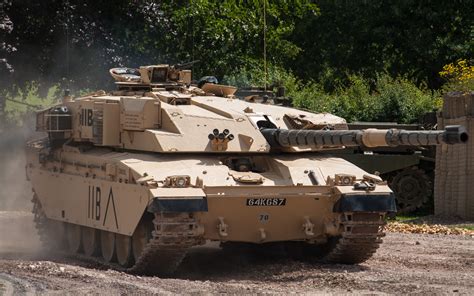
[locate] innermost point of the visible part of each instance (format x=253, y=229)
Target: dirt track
x=406, y=263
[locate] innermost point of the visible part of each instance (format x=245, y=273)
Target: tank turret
x=453, y=134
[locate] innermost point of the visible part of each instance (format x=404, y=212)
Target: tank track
x=43, y=225
x=362, y=235
x=168, y=246
x=161, y=256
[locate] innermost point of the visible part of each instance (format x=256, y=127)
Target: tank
x=135, y=177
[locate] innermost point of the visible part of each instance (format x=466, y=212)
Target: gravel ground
x=405, y=264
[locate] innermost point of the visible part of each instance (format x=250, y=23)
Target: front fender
x=367, y=202
x=178, y=200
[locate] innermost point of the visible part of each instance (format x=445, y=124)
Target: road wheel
x=107, y=245
x=140, y=238
x=73, y=235
x=412, y=188
x=90, y=241
x=123, y=245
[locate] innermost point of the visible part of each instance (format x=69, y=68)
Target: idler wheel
x=107, y=245
x=90, y=241
x=140, y=239
x=123, y=245
x=73, y=235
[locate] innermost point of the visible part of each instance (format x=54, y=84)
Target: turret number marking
x=266, y=202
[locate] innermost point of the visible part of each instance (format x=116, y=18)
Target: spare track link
x=363, y=232
x=161, y=256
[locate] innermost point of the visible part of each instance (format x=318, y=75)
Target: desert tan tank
x=137, y=176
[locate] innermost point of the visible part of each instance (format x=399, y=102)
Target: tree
x=414, y=38
x=6, y=26
x=78, y=41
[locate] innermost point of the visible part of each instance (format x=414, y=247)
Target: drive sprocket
x=50, y=232
x=362, y=234
x=412, y=188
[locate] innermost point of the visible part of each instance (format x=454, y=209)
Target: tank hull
x=118, y=206
x=75, y=188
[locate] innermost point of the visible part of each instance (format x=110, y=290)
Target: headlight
x=344, y=179
x=178, y=181
x=181, y=182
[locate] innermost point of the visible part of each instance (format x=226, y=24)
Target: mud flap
x=178, y=200
x=172, y=205
x=366, y=203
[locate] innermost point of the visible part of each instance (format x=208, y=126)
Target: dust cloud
x=17, y=232
x=15, y=190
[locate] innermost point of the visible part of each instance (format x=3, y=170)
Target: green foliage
x=227, y=34
x=402, y=101
x=254, y=76
x=384, y=99
x=408, y=38
x=355, y=102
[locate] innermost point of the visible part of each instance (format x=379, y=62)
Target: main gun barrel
x=452, y=134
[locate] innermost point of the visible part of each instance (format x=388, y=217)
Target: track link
x=363, y=232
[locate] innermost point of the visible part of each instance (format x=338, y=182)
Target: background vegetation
x=363, y=60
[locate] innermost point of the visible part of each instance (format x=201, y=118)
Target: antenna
x=265, y=43
x=67, y=45
x=192, y=35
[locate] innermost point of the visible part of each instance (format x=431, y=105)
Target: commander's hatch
x=154, y=78
x=160, y=76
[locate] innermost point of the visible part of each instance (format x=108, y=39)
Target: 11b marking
x=93, y=205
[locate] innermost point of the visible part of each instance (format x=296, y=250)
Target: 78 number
x=263, y=218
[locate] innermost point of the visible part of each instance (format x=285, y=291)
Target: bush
x=385, y=99
x=355, y=101
x=402, y=101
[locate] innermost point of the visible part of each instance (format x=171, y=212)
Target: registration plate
x=264, y=201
